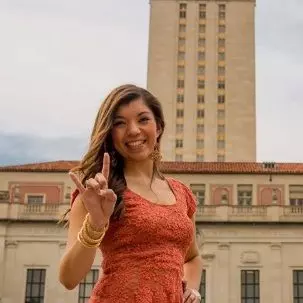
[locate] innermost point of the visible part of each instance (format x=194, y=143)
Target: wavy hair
x=101, y=140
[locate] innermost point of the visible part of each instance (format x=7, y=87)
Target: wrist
x=89, y=236
x=96, y=226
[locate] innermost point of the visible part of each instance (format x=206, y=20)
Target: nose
x=133, y=129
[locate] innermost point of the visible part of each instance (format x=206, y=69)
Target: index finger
x=106, y=164
x=77, y=182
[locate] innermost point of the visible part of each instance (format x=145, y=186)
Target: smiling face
x=135, y=131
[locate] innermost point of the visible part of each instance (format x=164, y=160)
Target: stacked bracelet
x=88, y=236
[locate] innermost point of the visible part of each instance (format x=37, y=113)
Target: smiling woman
x=142, y=222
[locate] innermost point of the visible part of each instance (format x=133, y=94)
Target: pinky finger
x=77, y=182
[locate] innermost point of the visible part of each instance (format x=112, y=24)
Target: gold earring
x=156, y=155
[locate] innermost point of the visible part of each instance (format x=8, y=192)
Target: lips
x=136, y=144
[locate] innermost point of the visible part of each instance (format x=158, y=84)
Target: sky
x=58, y=59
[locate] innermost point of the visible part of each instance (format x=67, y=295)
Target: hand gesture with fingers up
x=98, y=199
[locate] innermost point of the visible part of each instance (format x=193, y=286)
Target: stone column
x=221, y=277
x=275, y=275
x=2, y=251
x=9, y=295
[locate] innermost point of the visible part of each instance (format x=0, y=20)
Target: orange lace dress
x=144, y=251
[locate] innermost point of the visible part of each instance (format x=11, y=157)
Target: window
x=221, y=15
x=201, y=70
x=224, y=196
x=221, y=42
x=221, y=70
x=200, y=99
x=180, y=98
x=202, y=287
x=4, y=195
x=222, y=7
x=182, y=13
x=182, y=28
x=180, y=113
x=221, y=84
x=181, y=69
x=200, y=113
x=298, y=286
x=220, y=158
x=87, y=285
x=35, y=199
x=201, y=56
x=221, y=56
x=200, y=143
x=35, y=285
x=180, y=83
x=221, y=129
x=202, y=28
x=221, y=144
x=181, y=41
x=201, y=84
x=221, y=99
x=201, y=42
x=179, y=143
x=222, y=28
x=274, y=195
x=179, y=157
x=199, y=191
x=202, y=14
x=199, y=158
x=221, y=114
x=200, y=128
x=202, y=6
x=296, y=195
x=181, y=55
x=250, y=286
x=245, y=195
x=179, y=128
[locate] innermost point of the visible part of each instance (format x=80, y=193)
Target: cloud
x=60, y=58
x=21, y=148
x=279, y=78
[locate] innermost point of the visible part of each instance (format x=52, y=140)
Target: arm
x=77, y=260
x=193, y=263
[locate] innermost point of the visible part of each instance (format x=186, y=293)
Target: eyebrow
x=140, y=114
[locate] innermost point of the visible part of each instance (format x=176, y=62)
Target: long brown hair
x=101, y=140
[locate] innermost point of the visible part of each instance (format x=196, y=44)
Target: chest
x=160, y=193
x=150, y=225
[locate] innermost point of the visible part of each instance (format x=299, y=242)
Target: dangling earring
x=156, y=155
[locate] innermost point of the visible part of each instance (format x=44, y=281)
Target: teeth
x=135, y=143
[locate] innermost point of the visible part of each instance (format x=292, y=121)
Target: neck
x=143, y=170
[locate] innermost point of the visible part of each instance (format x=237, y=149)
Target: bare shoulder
x=178, y=184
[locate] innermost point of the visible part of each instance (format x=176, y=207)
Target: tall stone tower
x=201, y=66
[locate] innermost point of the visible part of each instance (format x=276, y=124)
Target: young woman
x=143, y=222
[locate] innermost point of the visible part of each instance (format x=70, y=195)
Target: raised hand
x=97, y=198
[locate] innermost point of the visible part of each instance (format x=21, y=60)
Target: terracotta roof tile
x=175, y=167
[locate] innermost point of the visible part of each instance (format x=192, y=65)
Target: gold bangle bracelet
x=88, y=238
x=84, y=243
x=95, y=234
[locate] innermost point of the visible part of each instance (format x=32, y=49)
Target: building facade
x=249, y=231
x=201, y=66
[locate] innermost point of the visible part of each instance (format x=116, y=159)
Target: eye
x=144, y=119
x=118, y=123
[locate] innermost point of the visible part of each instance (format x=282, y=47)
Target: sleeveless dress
x=144, y=251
